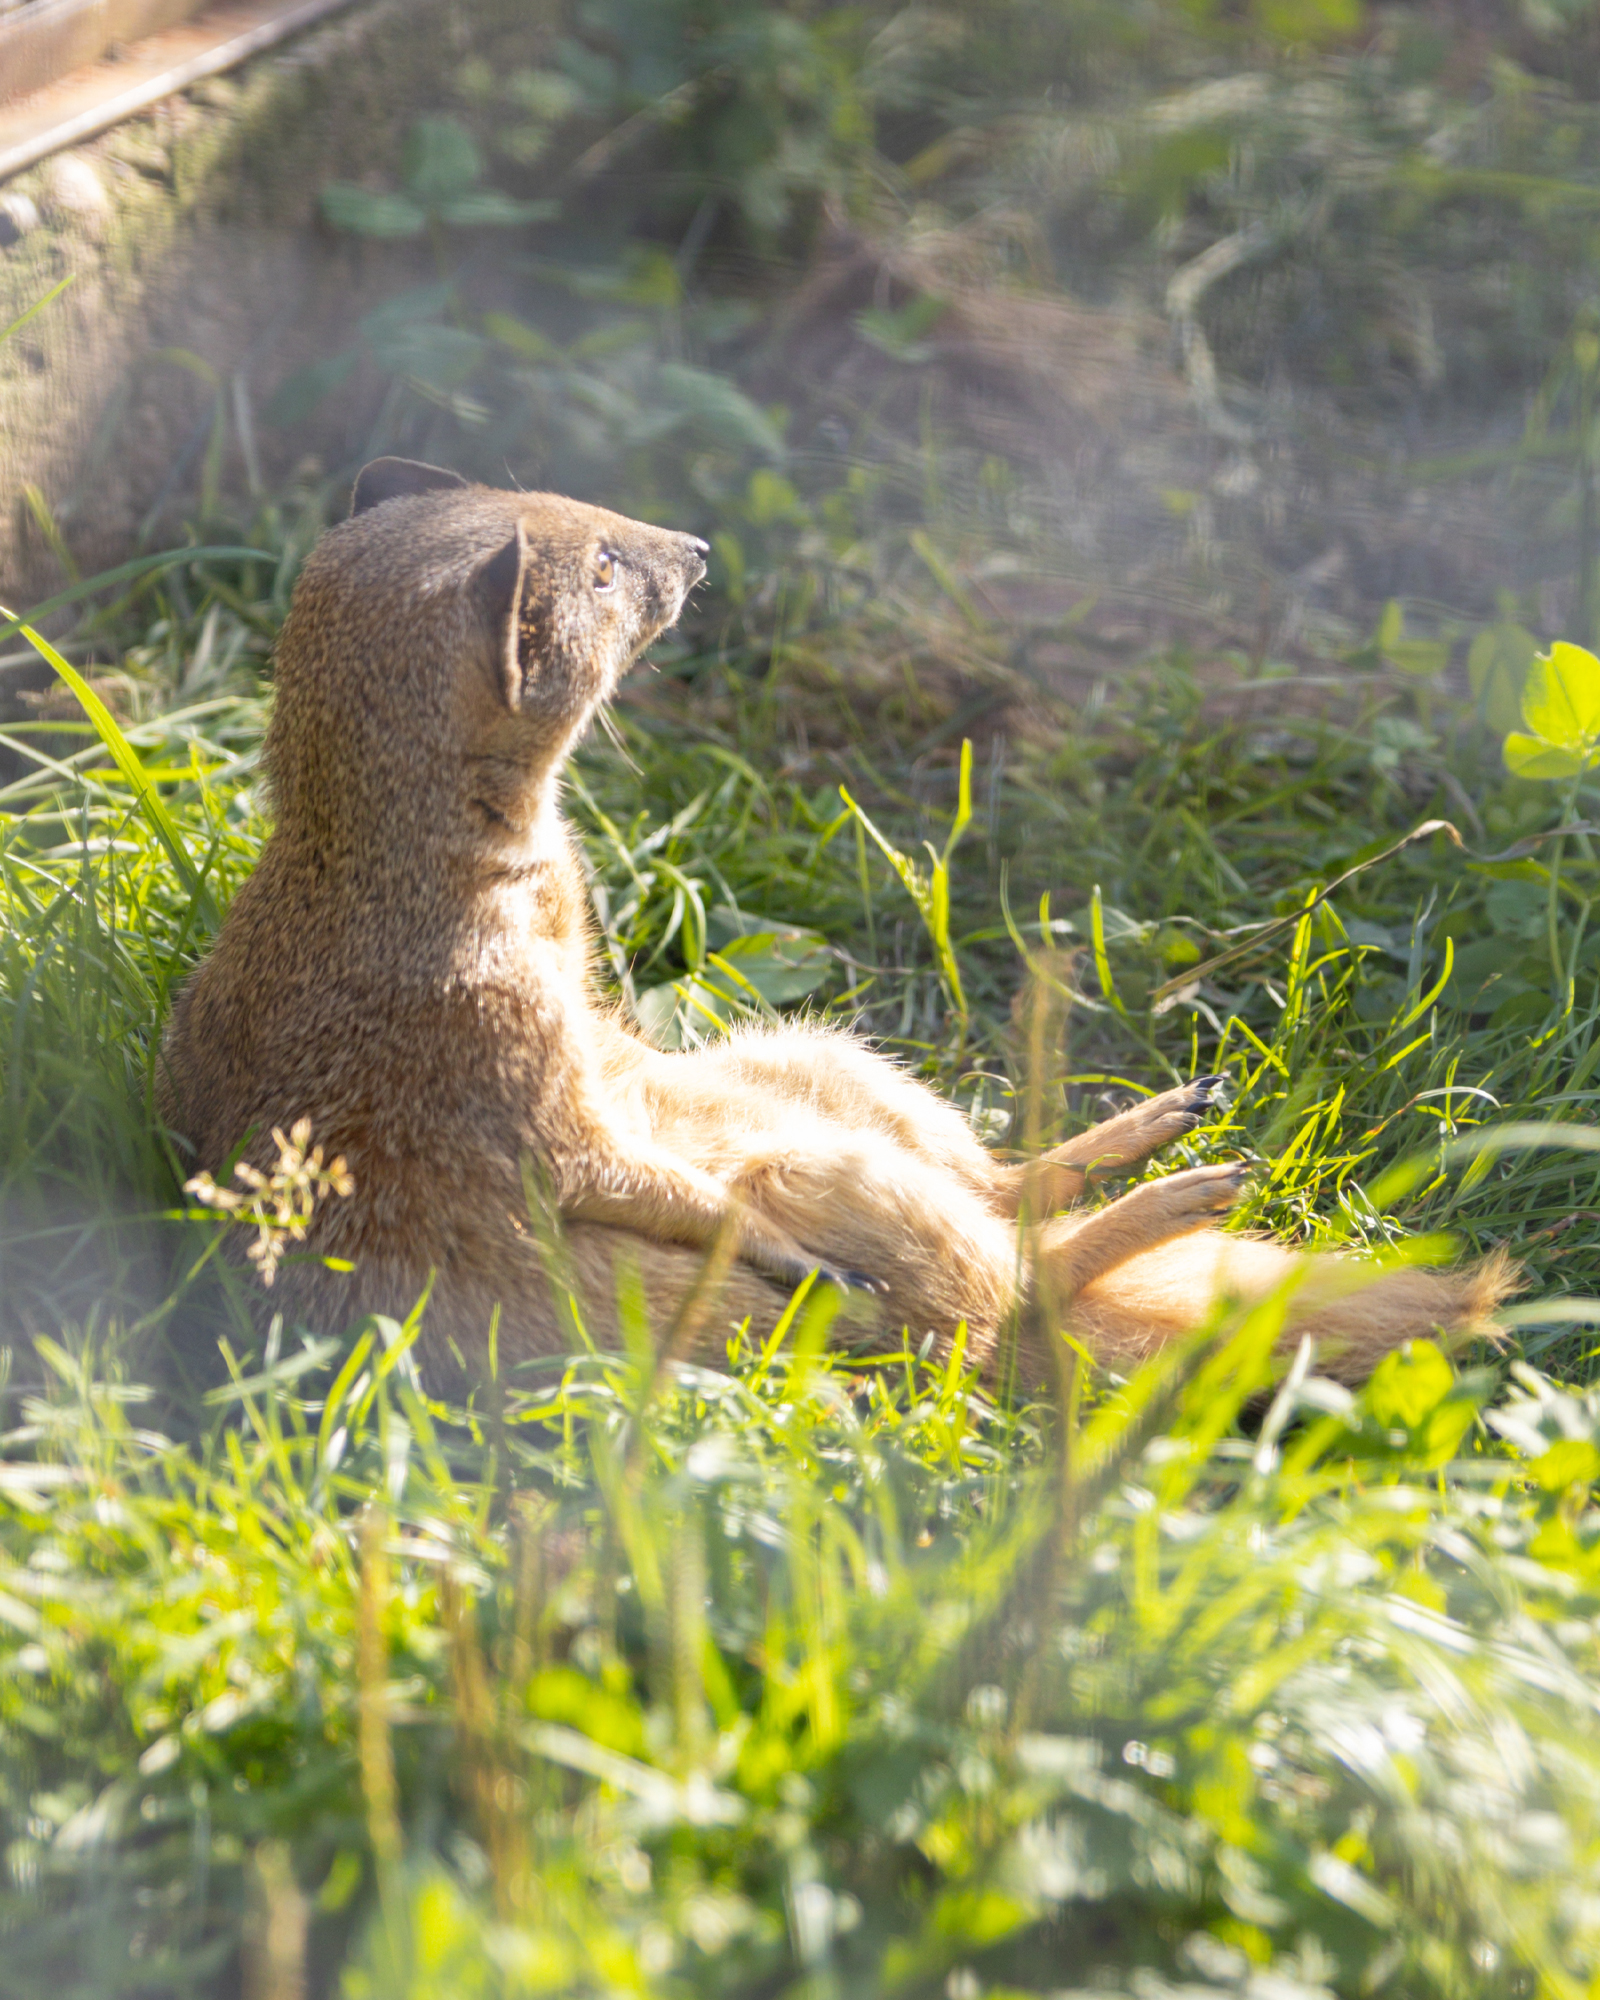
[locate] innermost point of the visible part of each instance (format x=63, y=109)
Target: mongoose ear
x=398, y=478
x=500, y=581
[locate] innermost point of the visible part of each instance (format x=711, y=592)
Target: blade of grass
x=128, y=762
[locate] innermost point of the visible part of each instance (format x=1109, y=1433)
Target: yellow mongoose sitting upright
x=409, y=966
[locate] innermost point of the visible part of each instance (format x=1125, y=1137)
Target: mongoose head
x=447, y=645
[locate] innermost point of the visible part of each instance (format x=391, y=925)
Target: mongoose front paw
x=852, y=1281
x=792, y=1268
x=847, y=1281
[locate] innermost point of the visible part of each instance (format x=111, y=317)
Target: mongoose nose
x=700, y=548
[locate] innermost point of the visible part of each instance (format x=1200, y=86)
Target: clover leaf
x=440, y=172
x=1422, y=658
x=1497, y=670
x=1561, y=710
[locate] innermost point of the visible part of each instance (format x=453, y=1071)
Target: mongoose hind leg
x=592, y=1285
x=933, y=1246
x=1073, y=1252
x=829, y=1073
x=657, y=1196
x=1133, y=1135
x=1059, y=1178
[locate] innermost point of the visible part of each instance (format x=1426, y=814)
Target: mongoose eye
x=605, y=570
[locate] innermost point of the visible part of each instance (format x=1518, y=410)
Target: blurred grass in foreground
x=801, y=1676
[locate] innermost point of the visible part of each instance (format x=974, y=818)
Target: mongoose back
x=409, y=967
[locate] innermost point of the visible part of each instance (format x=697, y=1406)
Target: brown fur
x=410, y=967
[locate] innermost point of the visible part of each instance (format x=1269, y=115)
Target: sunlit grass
x=795, y=1670
x=798, y=1673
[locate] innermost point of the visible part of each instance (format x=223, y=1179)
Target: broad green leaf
x=562, y=1694
x=1529, y=757
x=363, y=211
x=441, y=161
x=1408, y=1385
x=1561, y=701
x=754, y=973
x=781, y=969
x=644, y=278
x=1567, y=1461
x=488, y=208
x=299, y=394
x=1177, y=948
x=1422, y=657
x=1497, y=671
x=770, y=498
x=645, y=281
x=544, y=94
x=525, y=341
x=1438, y=1440
x=656, y=1011
x=720, y=407
x=725, y=924
x=617, y=337
x=420, y=302
x=441, y=356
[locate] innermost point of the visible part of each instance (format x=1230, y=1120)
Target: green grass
x=799, y=1675
x=794, y=1674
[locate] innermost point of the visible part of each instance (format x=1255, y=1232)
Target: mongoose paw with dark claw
x=1203, y=1094
x=793, y=1271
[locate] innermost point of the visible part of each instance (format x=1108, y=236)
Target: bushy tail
x=1355, y=1318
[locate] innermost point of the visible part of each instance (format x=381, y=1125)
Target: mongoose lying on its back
x=410, y=967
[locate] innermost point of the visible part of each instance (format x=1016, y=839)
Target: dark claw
x=1203, y=1095
x=851, y=1281
x=828, y=1274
